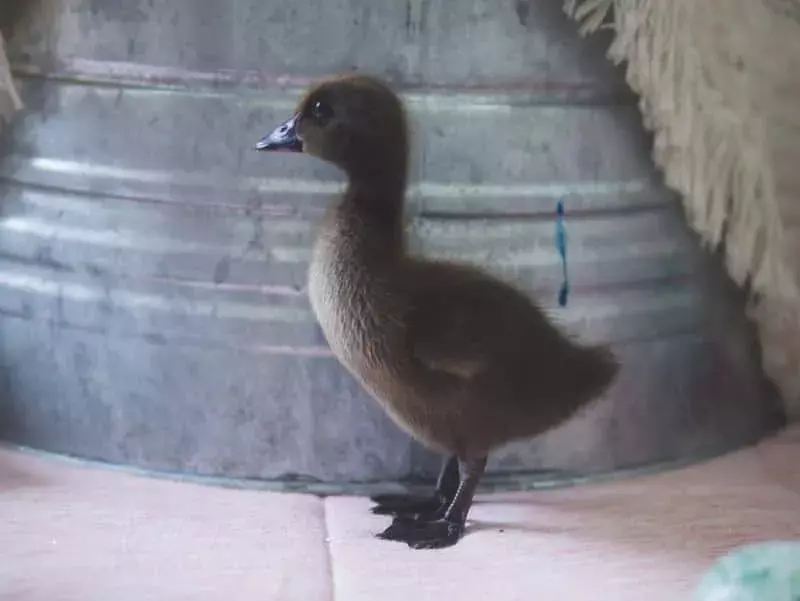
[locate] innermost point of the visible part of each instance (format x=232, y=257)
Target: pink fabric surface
x=70, y=532
x=648, y=538
x=86, y=534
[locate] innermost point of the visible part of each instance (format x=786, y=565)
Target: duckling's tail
x=598, y=369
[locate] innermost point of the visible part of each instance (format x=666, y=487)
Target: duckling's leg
x=447, y=531
x=420, y=507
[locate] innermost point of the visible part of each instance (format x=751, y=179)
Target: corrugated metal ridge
x=645, y=202
x=687, y=330
x=81, y=289
x=280, y=185
x=474, y=96
x=288, y=253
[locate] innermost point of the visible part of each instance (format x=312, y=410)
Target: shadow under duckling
x=462, y=361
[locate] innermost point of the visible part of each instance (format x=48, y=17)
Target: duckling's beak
x=284, y=137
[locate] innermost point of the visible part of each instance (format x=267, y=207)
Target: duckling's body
x=460, y=360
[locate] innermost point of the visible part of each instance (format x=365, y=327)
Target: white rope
x=720, y=87
x=10, y=102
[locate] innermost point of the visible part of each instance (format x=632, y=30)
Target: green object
x=761, y=572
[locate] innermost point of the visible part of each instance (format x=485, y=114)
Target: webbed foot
x=436, y=534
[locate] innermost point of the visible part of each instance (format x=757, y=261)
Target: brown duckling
x=462, y=361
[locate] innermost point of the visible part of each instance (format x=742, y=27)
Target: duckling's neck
x=355, y=263
x=371, y=210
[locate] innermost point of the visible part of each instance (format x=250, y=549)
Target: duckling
x=462, y=361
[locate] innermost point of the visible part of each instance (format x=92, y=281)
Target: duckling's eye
x=322, y=112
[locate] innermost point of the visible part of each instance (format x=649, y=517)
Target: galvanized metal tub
x=152, y=267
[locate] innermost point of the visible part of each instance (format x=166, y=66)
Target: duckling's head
x=355, y=122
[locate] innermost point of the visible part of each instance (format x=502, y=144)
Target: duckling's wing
x=440, y=345
x=461, y=318
x=479, y=330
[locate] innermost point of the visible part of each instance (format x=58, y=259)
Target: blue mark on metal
x=561, y=244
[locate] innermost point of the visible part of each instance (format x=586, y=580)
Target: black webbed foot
x=444, y=527
x=437, y=534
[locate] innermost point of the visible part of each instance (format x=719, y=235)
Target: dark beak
x=284, y=137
